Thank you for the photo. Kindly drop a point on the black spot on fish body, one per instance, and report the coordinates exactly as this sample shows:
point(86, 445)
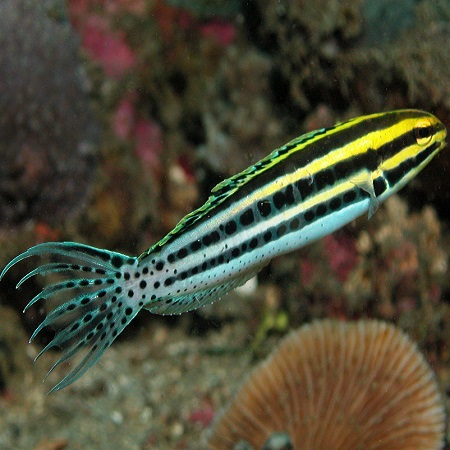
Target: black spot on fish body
point(117, 261)
point(289, 195)
point(309, 215)
point(253, 243)
point(267, 236)
point(294, 224)
point(206, 240)
point(279, 200)
point(87, 318)
point(305, 187)
point(264, 208)
point(230, 227)
point(343, 169)
point(281, 230)
point(379, 186)
point(215, 236)
point(321, 210)
point(247, 217)
point(335, 204)
point(324, 178)
point(349, 196)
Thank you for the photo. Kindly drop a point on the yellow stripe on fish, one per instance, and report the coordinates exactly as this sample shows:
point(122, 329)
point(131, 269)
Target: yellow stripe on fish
point(301, 192)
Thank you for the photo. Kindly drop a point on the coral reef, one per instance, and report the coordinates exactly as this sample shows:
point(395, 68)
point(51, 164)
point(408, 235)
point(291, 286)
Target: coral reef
point(207, 9)
point(238, 116)
point(405, 258)
point(393, 267)
point(188, 93)
point(106, 47)
point(338, 385)
point(161, 385)
point(383, 23)
point(325, 51)
point(410, 69)
point(15, 362)
point(306, 39)
point(47, 129)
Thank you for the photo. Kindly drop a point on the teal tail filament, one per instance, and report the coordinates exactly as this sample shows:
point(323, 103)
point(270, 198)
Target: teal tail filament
point(98, 310)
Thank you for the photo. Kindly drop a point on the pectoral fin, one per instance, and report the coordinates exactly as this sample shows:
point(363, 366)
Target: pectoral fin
point(364, 181)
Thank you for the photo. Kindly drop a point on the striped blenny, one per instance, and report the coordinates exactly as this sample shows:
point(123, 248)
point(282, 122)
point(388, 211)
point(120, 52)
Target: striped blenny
point(301, 192)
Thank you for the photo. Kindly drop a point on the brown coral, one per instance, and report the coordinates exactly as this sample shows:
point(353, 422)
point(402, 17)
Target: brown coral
point(338, 385)
point(238, 116)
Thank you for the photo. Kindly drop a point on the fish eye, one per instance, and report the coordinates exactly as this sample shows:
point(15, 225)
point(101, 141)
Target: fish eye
point(424, 132)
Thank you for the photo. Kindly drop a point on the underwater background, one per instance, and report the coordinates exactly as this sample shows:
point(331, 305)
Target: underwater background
point(117, 117)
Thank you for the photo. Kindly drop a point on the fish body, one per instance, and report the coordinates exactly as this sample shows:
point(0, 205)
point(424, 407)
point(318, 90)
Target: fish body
point(299, 193)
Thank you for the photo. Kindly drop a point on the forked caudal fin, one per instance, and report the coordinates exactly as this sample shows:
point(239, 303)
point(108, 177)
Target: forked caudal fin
point(97, 308)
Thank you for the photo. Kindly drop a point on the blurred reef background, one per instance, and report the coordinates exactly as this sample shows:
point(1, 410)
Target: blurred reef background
point(117, 117)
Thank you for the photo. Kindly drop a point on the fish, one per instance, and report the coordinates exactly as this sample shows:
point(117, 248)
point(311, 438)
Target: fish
point(302, 191)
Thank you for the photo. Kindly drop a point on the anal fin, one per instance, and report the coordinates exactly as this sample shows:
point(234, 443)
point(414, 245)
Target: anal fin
point(188, 302)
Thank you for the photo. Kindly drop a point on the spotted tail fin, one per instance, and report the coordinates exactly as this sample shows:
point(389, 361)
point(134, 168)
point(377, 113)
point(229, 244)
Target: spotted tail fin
point(96, 308)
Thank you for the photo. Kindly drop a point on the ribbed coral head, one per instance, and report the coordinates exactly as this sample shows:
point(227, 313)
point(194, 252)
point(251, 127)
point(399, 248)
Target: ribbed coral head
point(336, 385)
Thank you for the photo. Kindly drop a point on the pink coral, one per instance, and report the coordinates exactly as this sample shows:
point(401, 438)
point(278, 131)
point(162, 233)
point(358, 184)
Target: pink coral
point(223, 32)
point(146, 135)
point(80, 9)
point(341, 253)
point(131, 6)
point(307, 269)
point(203, 416)
point(149, 143)
point(123, 119)
point(106, 47)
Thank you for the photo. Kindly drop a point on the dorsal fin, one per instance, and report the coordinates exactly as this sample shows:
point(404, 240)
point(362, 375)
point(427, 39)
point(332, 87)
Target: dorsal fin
point(229, 186)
